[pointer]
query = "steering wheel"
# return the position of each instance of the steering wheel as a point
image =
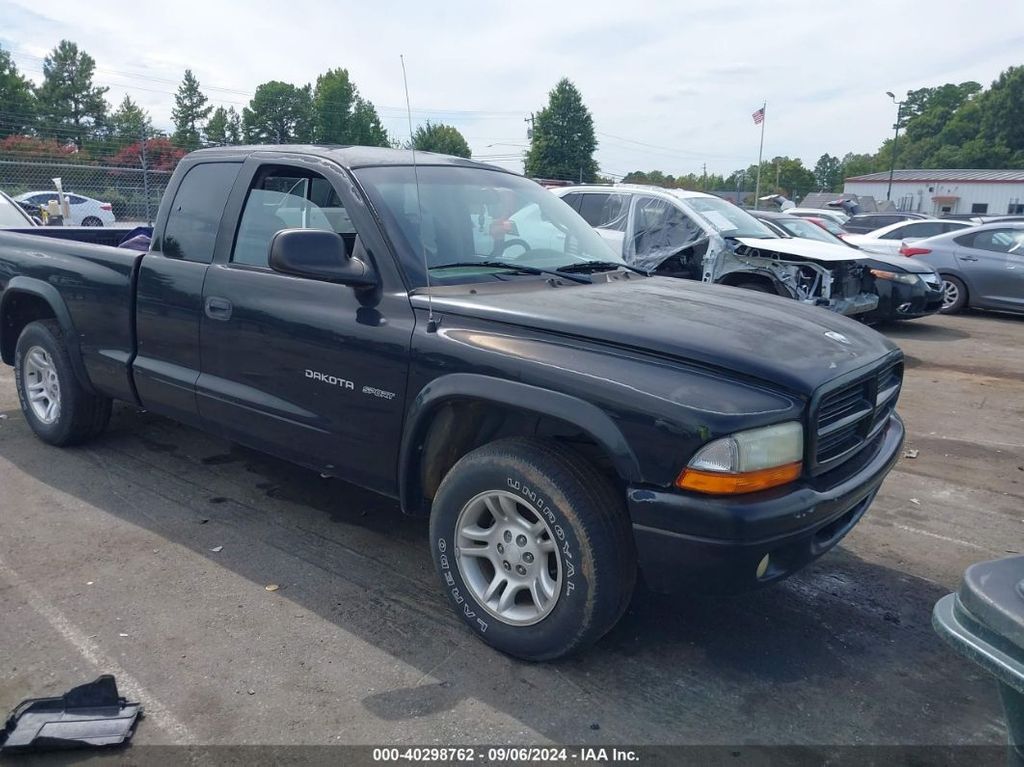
(506, 244)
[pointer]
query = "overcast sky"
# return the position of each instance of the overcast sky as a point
(671, 84)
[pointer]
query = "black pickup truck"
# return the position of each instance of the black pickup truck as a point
(454, 336)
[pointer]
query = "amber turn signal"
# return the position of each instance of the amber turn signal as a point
(725, 483)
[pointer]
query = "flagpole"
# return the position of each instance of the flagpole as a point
(760, 152)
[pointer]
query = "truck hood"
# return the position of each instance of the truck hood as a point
(812, 250)
(750, 334)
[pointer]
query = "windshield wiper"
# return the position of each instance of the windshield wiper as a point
(521, 268)
(598, 266)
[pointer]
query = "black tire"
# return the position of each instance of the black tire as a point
(81, 415)
(760, 287)
(960, 302)
(92, 221)
(594, 540)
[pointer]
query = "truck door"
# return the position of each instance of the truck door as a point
(169, 294)
(312, 371)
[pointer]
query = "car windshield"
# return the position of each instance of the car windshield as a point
(11, 215)
(807, 230)
(727, 219)
(464, 217)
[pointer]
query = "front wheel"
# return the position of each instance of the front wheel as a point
(92, 221)
(56, 405)
(954, 294)
(533, 547)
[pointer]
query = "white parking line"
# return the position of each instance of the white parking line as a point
(945, 538)
(128, 685)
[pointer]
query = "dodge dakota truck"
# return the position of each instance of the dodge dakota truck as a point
(456, 337)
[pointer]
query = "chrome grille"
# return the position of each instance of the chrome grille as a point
(851, 416)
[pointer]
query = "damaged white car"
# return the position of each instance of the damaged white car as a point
(676, 233)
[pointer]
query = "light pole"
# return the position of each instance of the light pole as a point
(895, 141)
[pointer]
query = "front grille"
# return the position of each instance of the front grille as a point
(932, 280)
(850, 416)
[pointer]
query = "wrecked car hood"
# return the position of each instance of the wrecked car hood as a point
(753, 335)
(812, 250)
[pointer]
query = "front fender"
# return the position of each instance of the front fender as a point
(580, 413)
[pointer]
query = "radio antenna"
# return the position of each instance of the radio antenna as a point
(431, 322)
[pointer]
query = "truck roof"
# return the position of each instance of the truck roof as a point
(347, 156)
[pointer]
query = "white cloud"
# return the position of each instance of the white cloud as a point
(682, 79)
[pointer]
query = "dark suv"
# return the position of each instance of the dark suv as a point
(863, 223)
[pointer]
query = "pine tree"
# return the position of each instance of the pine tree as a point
(189, 113)
(563, 142)
(278, 113)
(69, 106)
(224, 128)
(17, 101)
(129, 123)
(341, 115)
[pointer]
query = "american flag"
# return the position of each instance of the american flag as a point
(759, 116)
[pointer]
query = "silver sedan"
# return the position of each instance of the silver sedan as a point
(981, 267)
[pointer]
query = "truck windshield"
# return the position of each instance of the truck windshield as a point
(727, 219)
(470, 215)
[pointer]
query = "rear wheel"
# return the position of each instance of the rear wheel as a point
(56, 405)
(92, 221)
(533, 547)
(954, 294)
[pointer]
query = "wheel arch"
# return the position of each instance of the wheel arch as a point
(755, 275)
(26, 300)
(458, 412)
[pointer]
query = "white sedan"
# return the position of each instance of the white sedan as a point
(85, 211)
(889, 239)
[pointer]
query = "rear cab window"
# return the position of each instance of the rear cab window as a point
(190, 233)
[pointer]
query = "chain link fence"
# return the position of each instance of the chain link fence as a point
(132, 192)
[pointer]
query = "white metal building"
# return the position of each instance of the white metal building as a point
(938, 192)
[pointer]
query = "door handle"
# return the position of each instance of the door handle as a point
(968, 258)
(218, 308)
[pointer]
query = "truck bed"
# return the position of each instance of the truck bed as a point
(89, 285)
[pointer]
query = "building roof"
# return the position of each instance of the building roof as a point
(966, 175)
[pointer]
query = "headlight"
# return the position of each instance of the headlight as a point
(746, 461)
(906, 279)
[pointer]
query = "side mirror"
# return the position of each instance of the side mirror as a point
(318, 255)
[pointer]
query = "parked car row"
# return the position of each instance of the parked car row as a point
(808, 255)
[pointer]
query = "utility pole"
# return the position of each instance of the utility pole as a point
(145, 174)
(704, 179)
(895, 142)
(776, 176)
(529, 131)
(760, 153)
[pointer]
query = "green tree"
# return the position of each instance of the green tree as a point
(341, 115)
(563, 142)
(189, 113)
(858, 165)
(129, 123)
(69, 106)
(441, 138)
(17, 101)
(278, 113)
(224, 128)
(828, 173)
(367, 129)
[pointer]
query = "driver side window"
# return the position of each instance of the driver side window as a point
(287, 198)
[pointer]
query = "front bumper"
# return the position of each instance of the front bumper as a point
(898, 301)
(709, 544)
